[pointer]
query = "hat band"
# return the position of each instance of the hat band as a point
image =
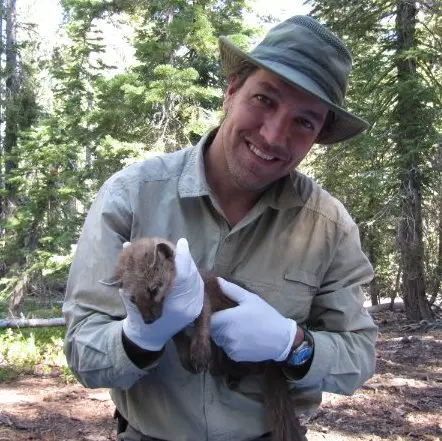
(301, 63)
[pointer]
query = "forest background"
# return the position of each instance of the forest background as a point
(126, 79)
(71, 116)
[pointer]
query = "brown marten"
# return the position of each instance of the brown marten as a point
(146, 270)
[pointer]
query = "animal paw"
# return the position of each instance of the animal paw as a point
(200, 355)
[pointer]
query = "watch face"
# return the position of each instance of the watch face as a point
(301, 355)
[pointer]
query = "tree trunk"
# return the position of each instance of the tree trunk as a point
(374, 291)
(17, 295)
(369, 240)
(435, 284)
(410, 240)
(12, 89)
(32, 323)
(2, 98)
(397, 286)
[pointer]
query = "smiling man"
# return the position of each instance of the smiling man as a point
(248, 215)
(268, 129)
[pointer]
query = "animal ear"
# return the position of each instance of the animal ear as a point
(165, 250)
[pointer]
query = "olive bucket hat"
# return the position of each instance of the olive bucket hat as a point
(308, 56)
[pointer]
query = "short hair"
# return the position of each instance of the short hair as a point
(245, 71)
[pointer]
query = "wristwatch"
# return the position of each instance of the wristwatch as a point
(303, 352)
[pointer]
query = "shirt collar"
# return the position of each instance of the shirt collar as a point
(288, 192)
(193, 181)
(282, 195)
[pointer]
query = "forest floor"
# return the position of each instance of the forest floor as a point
(402, 402)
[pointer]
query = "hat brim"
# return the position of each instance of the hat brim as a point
(345, 124)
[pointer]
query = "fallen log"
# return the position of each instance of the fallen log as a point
(397, 306)
(31, 323)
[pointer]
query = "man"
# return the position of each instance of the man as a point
(251, 217)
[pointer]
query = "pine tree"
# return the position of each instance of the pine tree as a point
(51, 172)
(394, 48)
(172, 95)
(98, 122)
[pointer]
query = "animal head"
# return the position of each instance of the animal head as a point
(146, 270)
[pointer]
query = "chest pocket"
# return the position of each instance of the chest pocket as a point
(299, 288)
(292, 294)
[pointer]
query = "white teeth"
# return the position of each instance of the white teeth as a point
(259, 153)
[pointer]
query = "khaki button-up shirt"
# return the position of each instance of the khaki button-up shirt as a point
(298, 248)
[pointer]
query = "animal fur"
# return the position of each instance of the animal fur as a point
(146, 270)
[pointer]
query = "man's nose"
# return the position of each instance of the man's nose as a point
(275, 129)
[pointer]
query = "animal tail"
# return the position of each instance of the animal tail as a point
(284, 423)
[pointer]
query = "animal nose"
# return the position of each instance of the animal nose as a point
(154, 315)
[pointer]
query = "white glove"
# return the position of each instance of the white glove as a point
(181, 306)
(253, 330)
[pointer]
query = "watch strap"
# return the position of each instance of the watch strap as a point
(302, 353)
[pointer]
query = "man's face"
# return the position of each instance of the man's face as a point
(268, 129)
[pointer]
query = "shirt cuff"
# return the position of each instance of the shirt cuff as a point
(319, 366)
(140, 357)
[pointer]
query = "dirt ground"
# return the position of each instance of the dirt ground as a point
(402, 402)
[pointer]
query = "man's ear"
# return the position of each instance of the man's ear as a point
(232, 87)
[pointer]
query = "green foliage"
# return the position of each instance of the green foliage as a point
(50, 171)
(32, 351)
(369, 172)
(112, 155)
(98, 122)
(173, 93)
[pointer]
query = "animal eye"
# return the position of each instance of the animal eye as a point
(153, 290)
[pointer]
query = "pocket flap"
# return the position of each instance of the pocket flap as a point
(110, 282)
(301, 276)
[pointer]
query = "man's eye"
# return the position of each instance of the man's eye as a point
(307, 124)
(264, 100)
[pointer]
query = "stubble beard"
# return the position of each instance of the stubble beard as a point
(242, 174)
